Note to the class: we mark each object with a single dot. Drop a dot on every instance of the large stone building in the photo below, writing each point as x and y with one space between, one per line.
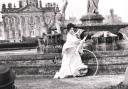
28 19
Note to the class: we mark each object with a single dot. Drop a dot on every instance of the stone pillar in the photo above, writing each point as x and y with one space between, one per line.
17 28
27 29
13 27
9 28
5 26
10 33
23 25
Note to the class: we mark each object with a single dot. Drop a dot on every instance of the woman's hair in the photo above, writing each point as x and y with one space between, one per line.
83 34
70 25
120 36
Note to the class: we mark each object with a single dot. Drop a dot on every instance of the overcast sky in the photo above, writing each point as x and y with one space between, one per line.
77 8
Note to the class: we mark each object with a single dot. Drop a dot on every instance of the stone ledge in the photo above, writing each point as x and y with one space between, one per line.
92 17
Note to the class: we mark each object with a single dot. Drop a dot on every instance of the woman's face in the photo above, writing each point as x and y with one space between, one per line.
72 31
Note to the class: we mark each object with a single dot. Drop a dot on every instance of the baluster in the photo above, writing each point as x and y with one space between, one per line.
97 43
113 43
56 44
105 43
48 42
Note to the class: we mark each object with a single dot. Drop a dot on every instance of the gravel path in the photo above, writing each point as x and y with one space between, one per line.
90 82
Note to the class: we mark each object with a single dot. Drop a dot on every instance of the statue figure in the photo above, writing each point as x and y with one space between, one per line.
44 29
92 7
60 17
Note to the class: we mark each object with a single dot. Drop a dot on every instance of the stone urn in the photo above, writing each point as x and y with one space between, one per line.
123 44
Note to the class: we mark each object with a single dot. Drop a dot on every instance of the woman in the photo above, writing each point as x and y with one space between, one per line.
71 61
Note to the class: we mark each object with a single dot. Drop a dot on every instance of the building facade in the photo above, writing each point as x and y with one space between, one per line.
28 20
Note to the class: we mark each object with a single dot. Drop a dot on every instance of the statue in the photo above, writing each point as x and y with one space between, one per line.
60 17
92 7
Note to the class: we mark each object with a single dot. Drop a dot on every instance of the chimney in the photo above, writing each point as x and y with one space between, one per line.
3 7
49 4
54 4
9 5
14 6
46 5
37 4
20 4
40 4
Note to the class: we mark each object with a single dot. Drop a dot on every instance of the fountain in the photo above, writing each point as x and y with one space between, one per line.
93 22
109 58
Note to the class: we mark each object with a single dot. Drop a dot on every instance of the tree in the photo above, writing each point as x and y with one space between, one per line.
112 18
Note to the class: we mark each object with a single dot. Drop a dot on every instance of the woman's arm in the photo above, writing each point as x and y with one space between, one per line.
80 46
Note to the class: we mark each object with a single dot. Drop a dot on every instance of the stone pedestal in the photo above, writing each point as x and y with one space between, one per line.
92 19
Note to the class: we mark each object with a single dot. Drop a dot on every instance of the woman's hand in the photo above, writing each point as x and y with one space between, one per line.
83 40
81 51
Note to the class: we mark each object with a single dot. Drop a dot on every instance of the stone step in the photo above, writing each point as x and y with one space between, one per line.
47 64
51 70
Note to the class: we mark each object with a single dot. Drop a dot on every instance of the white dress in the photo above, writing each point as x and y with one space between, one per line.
71 60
